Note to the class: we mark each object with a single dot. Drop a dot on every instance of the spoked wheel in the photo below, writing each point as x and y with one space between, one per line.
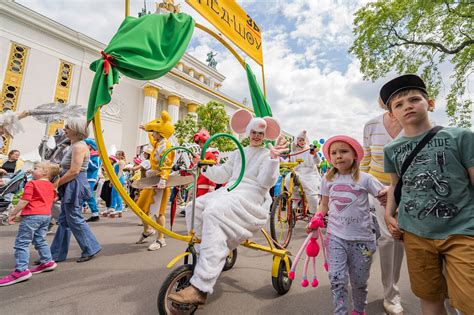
282 218
230 260
176 281
282 283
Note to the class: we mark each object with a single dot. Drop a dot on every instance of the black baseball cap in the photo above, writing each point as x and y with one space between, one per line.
404 82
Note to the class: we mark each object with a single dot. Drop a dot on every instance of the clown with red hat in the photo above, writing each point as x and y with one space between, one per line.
204 185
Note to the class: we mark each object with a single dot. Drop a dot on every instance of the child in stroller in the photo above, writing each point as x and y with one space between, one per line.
9 186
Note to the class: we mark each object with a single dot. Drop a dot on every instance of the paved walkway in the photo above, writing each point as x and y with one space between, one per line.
125 279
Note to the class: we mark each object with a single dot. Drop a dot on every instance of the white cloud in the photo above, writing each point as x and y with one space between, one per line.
305 87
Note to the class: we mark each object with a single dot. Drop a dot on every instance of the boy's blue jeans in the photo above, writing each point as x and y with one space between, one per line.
33 230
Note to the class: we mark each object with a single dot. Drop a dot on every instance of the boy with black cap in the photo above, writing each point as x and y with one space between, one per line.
436 206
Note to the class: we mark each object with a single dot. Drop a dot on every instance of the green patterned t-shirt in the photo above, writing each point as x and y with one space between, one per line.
437 196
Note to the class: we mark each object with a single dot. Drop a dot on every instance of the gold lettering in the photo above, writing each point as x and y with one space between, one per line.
225 16
240 31
216 7
250 38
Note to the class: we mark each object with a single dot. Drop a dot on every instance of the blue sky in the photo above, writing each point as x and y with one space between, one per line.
313 83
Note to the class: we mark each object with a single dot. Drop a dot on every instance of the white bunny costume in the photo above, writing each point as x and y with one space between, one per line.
307 172
224 219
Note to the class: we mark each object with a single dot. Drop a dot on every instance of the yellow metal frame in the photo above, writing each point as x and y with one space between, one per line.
97 127
291 167
176 259
121 190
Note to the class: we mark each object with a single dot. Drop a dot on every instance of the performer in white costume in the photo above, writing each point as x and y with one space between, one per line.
224 219
307 171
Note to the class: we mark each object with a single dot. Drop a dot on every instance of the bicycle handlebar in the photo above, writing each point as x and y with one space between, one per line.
291 164
163 156
241 150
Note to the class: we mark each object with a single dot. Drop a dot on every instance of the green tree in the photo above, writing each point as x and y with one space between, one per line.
213 117
416 36
184 130
245 141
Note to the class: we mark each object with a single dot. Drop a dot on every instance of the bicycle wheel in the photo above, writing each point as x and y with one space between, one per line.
176 281
281 220
282 283
230 260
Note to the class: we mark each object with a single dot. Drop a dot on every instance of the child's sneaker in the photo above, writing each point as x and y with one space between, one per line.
15 277
49 266
156 245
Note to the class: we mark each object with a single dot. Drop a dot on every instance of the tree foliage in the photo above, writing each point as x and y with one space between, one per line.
184 130
418 36
211 116
245 142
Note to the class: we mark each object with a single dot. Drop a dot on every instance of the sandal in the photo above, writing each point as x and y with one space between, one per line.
144 236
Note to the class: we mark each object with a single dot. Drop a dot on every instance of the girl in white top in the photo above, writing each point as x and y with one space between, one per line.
307 171
350 231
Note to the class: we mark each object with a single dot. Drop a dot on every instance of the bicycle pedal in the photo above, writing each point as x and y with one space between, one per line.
185 307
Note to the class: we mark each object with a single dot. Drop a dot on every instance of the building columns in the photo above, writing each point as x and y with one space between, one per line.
192 110
173 107
149 108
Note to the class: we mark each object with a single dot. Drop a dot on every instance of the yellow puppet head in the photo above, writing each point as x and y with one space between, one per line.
162 125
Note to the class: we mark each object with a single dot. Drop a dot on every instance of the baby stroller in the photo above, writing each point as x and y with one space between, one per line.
16 183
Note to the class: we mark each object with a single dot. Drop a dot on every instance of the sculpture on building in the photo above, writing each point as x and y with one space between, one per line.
211 62
168 5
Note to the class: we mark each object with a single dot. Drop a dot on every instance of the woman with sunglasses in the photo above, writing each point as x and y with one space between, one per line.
74 190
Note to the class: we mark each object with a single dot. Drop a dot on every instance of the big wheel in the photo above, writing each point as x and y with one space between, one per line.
176 281
282 283
282 217
230 260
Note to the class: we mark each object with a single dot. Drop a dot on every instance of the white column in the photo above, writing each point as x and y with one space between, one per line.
173 107
149 109
192 110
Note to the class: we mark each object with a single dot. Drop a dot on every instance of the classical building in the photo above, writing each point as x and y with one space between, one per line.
43 61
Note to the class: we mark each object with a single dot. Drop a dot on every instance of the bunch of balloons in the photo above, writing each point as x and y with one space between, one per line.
324 166
316 146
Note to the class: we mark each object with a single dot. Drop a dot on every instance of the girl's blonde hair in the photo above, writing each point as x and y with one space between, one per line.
355 172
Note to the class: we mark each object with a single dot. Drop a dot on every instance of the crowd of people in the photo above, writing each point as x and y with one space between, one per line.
408 189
